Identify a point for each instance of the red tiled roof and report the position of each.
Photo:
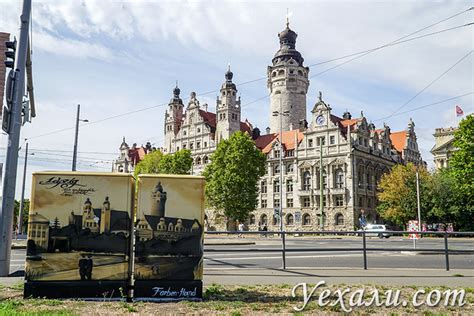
(399, 140)
(208, 117)
(265, 142)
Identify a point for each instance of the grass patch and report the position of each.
(227, 300)
(458, 275)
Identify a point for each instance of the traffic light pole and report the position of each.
(11, 161)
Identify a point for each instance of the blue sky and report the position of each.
(115, 57)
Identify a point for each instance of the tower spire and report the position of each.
(287, 18)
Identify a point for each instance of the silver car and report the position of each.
(376, 230)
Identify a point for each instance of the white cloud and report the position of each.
(152, 43)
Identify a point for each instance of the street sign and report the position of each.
(413, 227)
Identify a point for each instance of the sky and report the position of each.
(121, 59)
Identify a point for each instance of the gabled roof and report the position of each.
(399, 140)
(344, 123)
(265, 142)
(208, 117)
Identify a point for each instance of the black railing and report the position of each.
(364, 249)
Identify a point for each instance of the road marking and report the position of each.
(290, 257)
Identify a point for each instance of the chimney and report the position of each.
(267, 130)
(205, 106)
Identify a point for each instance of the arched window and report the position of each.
(252, 219)
(264, 219)
(339, 178)
(306, 181)
(198, 160)
(300, 72)
(306, 219)
(339, 219)
(290, 220)
(276, 169)
(281, 72)
(205, 160)
(274, 74)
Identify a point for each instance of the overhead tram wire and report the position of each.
(427, 86)
(431, 104)
(372, 50)
(388, 45)
(399, 39)
(365, 52)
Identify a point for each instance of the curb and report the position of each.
(18, 247)
(229, 243)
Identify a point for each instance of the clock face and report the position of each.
(320, 120)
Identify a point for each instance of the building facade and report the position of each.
(353, 153)
(443, 148)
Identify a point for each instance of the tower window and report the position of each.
(281, 72)
(223, 92)
(274, 74)
(300, 72)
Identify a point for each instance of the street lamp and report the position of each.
(22, 203)
(74, 155)
(281, 114)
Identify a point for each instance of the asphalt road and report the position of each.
(229, 258)
(342, 259)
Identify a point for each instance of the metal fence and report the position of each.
(363, 249)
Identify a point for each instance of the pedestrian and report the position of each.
(241, 229)
(265, 229)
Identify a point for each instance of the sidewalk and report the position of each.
(385, 277)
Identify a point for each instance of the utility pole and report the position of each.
(418, 199)
(74, 154)
(281, 114)
(22, 201)
(321, 182)
(11, 161)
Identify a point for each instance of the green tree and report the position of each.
(398, 202)
(447, 201)
(16, 212)
(461, 163)
(179, 162)
(149, 164)
(232, 176)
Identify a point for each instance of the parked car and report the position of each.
(375, 230)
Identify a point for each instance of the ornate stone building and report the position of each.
(354, 152)
(443, 148)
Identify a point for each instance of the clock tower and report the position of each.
(287, 83)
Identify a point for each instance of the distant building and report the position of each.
(443, 148)
(355, 152)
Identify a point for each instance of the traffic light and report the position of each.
(10, 53)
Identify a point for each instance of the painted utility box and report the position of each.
(79, 235)
(168, 261)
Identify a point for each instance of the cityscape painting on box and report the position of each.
(79, 227)
(169, 234)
